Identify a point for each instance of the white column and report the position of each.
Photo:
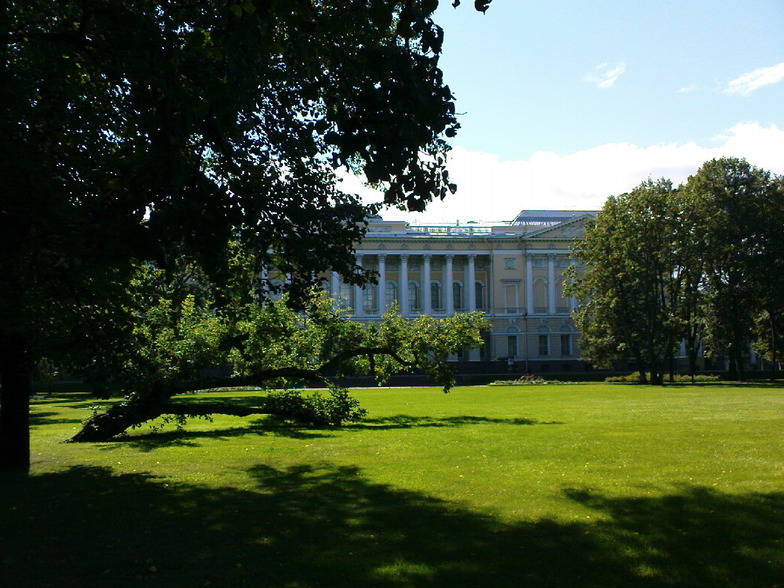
(404, 285)
(449, 289)
(529, 283)
(382, 283)
(490, 295)
(334, 287)
(551, 284)
(359, 308)
(471, 285)
(427, 307)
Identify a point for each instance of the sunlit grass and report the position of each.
(630, 476)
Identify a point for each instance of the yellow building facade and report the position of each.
(513, 272)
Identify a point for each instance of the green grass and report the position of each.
(559, 485)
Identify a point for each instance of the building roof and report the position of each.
(546, 218)
(528, 221)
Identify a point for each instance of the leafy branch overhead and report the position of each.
(480, 5)
(144, 129)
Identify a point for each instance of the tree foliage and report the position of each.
(696, 264)
(138, 130)
(739, 203)
(633, 280)
(174, 342)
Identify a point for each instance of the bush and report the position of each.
(527, 379)
(634, 378)
(698, 379)
(333, 410)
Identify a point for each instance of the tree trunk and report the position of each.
(124, 415)
(732, 371)
(773, 335)
(118, 419)
(15, 391)
(692, 351)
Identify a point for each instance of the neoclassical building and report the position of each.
(512, 272)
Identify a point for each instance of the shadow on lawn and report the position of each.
(40, 418)
(187, 437)
(280, 428)
(405, 421)
(310, 527)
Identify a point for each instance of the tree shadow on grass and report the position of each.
(40, 418)
(405, 421)
(156, 439)
(331, 526)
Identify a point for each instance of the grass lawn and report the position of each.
(559, 485)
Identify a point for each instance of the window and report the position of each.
(544, 345)
(369, 298)
(391, 294)
(435, 295)
(345, 296)
(566, 345)
(511, 294)
(511, 345)
(562, 302)
(413, 296)
(457, 295)
(540, 296)
(480, 295)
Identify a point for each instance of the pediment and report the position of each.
(571, 230)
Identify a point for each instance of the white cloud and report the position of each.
(688, 89)
(490, 189)
(754, 80)
(605, 75)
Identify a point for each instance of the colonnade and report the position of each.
(426, 280)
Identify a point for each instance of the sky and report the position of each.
(564, 103)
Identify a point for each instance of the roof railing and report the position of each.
(450, 230)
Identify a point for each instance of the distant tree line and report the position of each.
(701, 264)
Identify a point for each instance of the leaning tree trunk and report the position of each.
(15, 390)
(119, 418)
(305, 411)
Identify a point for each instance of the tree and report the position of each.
(175, 339)
(738, 203)
(134, 129)
(689, 248)
(769, 323)
(632, 282)
(698, 264)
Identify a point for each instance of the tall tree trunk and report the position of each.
(732, 369)
(773, 345)
(692, 352)
(15, 390)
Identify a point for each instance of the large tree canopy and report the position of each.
(132, 129)
(633, 279)
(665, 265)
(740, 206)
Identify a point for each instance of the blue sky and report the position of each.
(564, 103)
